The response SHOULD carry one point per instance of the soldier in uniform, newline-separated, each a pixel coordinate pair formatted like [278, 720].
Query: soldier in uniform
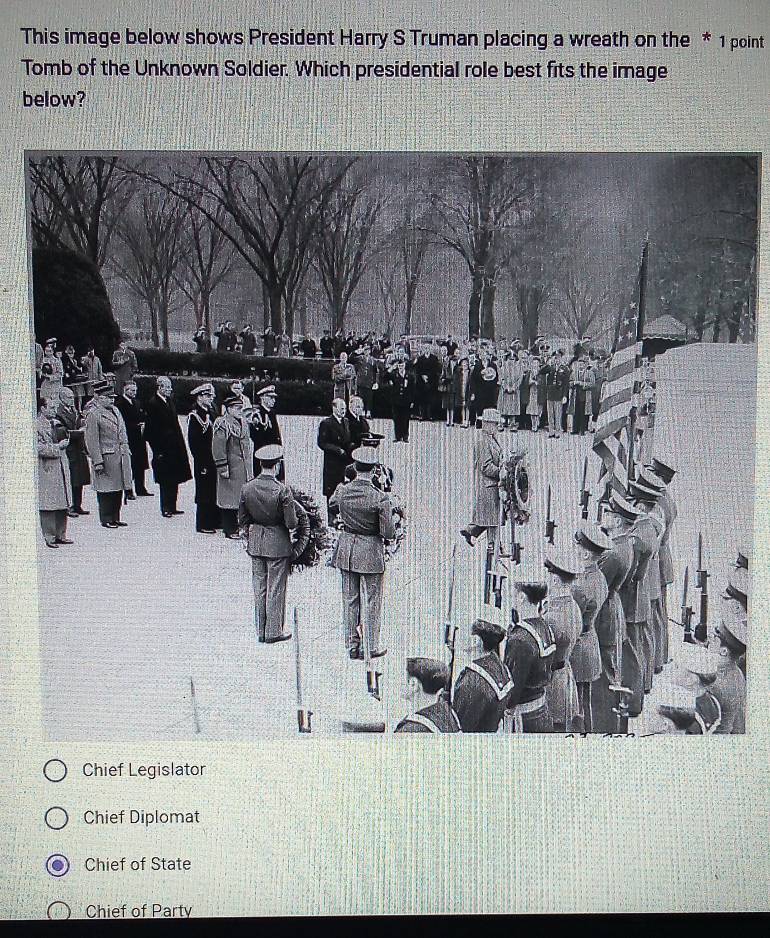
[738, 589]
[427, 681]
[589, 590]
[616, 564]
[665, 510]
[263, 424]
[648, 530]
[529, 655]
[481, 691]
[490, 471]
[107, 445]
[266, 516]
[729, 686]
[694, 674]
[231, 448]
[366, 514]
[200, 435]
[566, 622]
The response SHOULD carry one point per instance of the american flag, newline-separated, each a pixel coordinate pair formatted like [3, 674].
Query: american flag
[621, 390]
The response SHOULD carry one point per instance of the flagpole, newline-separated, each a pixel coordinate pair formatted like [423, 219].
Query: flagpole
[641, 309]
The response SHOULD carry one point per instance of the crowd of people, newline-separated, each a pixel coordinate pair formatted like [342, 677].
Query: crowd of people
[588, 633]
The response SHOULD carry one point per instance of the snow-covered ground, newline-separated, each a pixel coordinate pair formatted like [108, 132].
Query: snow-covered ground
[130, 617]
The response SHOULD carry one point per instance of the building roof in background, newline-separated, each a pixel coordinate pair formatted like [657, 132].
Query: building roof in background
[665, 327]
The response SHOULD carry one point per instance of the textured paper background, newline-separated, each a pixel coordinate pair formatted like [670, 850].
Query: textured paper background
[374, 825]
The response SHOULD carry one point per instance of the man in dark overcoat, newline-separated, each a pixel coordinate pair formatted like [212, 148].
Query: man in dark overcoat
[170, 464]
[133, 417]
[335, 440]
[68, 417]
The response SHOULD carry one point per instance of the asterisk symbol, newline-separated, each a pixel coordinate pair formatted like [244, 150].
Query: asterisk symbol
[707, 36]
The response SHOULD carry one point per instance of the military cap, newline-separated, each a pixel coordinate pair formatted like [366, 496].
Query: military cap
[267, 389]
[742, 559]
[647, 477]
[431, 673]
[102, 387]
[51, 341]
[233, 399]
[562, 561]
[734, 629]
[738, 586]
[269, 453]
[365, 455]
[662, 471]
[696, 659]
[490, 415]
[620, 506]
[206, 388]
[592, 537]
[489, 630]
[372, 439]
[642, 492]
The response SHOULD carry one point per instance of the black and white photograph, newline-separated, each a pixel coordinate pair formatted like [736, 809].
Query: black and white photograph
[341, 442]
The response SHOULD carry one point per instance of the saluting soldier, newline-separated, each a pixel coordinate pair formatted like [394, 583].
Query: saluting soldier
[489, 472]
[589, 590]
[566, 621]
[481, 691]
[616, 564]
[427, 681]
[266, 517]
[648, 529]
[529, 655]
[694, 674]
[366, 515]
[232, 450]
[107, 444]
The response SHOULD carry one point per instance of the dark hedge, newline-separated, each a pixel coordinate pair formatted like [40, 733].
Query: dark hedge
[230, 364]
[71, 303]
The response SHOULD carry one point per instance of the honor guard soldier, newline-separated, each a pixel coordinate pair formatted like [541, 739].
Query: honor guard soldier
[481, 691]
[427, 681]
[366, 515]
[529, 655]
[589, 590]
[730, 685]
[266, 516]
[694, 674]
[665, 511]
[645, 580]
[489, 472]
[616, 565]
[564, 617]
[665, 474]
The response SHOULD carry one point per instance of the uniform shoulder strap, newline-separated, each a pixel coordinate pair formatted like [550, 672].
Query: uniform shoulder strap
[708, 728]
[500, 692]
[423, 721]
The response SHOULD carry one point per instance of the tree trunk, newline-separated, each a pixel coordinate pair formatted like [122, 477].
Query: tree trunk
[717, 328]
[290, 320]
[734, 322]
[699, 324]
[411, 292]
[276, 312]
[265, 306]
[529, 306]
[154, 326]
[488, 310]
[303, 317]
[163, 317]
[474, 306]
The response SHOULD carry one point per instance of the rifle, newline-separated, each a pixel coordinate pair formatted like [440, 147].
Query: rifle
[449, 628]
[686, 614]
[450, 682]
[585, 495]
[701, 583]
[550, 524]
[303, 714]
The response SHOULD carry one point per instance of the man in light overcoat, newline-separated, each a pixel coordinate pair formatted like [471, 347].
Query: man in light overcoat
[107, 445]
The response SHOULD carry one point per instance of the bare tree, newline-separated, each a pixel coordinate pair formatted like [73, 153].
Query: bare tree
[78, 202]
[344, 241]
[154, 245]
[483, 197]
[585, 299]
[272, 207]
[206, 263]
[391, 288]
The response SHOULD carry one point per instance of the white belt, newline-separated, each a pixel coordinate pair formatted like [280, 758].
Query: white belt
[513, 721]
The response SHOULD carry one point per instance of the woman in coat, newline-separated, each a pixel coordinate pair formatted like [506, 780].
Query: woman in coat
[508, 401]
[460, 378]
[107, 445]
[51, 372]
[200, 435]
[533, 405]
[447, 388]
[53, 477]
[232, 450]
